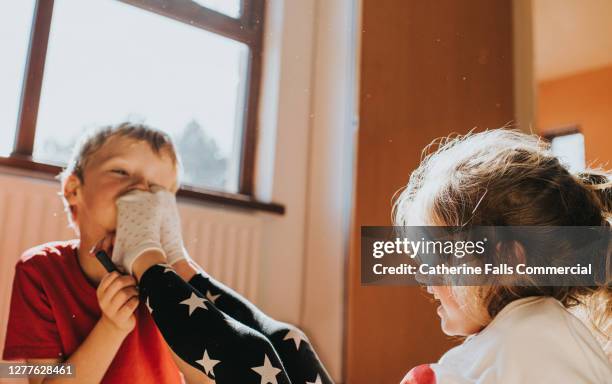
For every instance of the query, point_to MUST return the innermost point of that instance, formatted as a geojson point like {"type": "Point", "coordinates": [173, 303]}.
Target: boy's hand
{"type": "Point", "coordinates": [118, 299]}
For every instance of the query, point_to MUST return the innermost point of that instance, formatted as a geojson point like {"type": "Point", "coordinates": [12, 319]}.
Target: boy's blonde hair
{"type": "Point", "coordinates": [504, 177]}
{"type": "Point", "coordinates": [91, 142]}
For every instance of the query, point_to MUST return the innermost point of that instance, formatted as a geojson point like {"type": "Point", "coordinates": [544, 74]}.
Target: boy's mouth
{"type": "Point", "coordinates": [112, 245]}
{"type": "Point", "coordinates": [101, 246]}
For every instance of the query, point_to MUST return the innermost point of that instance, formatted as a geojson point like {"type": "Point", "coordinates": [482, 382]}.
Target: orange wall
{"type": "Point", "coordinates": [584, 99]}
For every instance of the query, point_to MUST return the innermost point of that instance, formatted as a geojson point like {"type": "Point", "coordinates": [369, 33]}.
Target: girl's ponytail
{"type": "Point", "coordinates": [596, 308]}
{"type": "Point", "coordinates": [600, 184]}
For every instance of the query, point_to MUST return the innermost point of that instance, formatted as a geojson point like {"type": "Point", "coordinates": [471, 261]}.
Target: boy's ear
{"type": "Point", "coordinates": [72, 189]}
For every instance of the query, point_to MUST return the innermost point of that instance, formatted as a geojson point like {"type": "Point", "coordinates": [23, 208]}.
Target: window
{"type": "Point", "coordinates": [568, 145]}
{"type": "Point", "coordinates": [228, 7]}
{"type": "Point", "coordinates": [157, 76]}
{"type": "Point", "coordinates": [14, 37]}
{"type": "Point", "coordinates": [191, 68]}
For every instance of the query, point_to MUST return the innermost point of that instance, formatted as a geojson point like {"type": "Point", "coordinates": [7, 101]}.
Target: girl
{"type": "Point", "coordinates": [514, 334]}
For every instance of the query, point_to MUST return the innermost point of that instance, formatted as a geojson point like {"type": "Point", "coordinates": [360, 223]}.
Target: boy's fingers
{"type": "Point", "coordinates": [127, 310]}
{"type": "Point", "coordinates": [106, 281]}
{"type": "Point", "coordinates": [118, 284]}
{"type": "Point", "coordinates": [121, 297]}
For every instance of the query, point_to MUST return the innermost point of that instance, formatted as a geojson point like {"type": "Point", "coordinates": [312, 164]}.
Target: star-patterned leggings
{"type": "Point", "coordinates": [219, 332]}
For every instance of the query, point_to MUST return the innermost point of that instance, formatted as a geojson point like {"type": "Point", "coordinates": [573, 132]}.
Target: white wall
{"type": "Point", "coordinates": [307, 129]}
{"type": "Point", "coordinates": [329, 203]}
{"type": "Point", "coordinates": [282, 162]}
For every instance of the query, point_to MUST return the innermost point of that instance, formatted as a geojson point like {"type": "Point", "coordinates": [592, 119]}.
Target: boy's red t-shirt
{"type": "Point", "coordinates": [54, 308]}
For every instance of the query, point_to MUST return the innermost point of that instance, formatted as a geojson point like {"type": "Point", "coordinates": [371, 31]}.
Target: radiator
{"type": "Point", "coordinates": [226, 243]}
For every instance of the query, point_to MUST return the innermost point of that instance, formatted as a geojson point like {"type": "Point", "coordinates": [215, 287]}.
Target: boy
{"type": "Point", "coordinates": [57, 314]}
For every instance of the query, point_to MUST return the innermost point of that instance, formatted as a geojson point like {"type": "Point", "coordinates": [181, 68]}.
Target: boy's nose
{"type": "Point", "coordinates": [141, 184]}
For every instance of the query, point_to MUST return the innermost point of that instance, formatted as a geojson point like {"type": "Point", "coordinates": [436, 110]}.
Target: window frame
{"type": "Point", "coordinates": [550, 133]}
{"type": "Point", "coordinates": [248, 29]}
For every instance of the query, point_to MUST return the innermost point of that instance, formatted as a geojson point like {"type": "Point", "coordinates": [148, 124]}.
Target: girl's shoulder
{"type": "Point", "coordinates": [528, 336]}
{"type": "Point", "coordinates": [538, 325]}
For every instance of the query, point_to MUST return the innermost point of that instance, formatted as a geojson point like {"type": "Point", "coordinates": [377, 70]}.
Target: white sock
{"type": "Point", "coordinates": [139, 215]}
{"type": "Point", "coordinates": [171, 235]}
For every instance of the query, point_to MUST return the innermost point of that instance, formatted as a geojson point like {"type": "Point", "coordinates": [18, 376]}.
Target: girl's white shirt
{"type": "Point", "coordinates": [531, 340]}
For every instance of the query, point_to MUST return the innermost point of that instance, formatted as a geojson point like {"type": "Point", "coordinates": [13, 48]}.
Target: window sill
{"type": "Point", "coordinates": [31, 168]}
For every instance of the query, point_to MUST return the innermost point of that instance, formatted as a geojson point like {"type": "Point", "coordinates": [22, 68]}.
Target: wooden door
{"type": "Point", "coordinates": [428, 68]}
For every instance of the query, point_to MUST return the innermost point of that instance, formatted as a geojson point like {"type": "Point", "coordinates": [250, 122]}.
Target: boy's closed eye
{"type": "Point", "coordinates": [120, 172]}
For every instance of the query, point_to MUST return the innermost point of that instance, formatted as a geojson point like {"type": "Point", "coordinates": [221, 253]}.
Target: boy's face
{"type": "Point", "coordinates": [121, 165]}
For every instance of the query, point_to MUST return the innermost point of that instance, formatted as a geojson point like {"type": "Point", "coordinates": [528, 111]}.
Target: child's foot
{"type": "Point", "coordinates": [139, 215]}
{"type": "Point", "coordinates": [171, 236]}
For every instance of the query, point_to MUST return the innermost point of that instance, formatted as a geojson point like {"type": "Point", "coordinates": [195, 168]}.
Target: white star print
{"type": "Point", "coordinates": [208, 363]}
{"type": "Point", "coordinates": [267, 371]}
{"type": "Point", "coordinates": [297, 337]}
{"type": "Point", "coordinates": [167, 268]}
{"type": "Point", "coordinates": [194, 302]}
{"type": "Point", "coordinates": [148, 306]}
{"type": "Point", "coordinates": [317, 381]}
{"type": "Point", "coordinates": [212, 297]}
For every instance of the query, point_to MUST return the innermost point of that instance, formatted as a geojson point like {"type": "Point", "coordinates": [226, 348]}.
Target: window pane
{"type": "Point", "coordinates": [15, 26]}
{"type": "Point", "coordinates": [145, 68]}
{"type": "Point", "coordinates": [570, 150]}
{"type": "Point", "coordinates": [229, 7]}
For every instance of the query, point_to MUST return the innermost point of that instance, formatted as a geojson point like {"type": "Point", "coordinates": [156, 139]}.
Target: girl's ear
{"type": "Point", "coordinates": [514, 252]}
{"type": "Point", "coordinates": [519, 252]}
